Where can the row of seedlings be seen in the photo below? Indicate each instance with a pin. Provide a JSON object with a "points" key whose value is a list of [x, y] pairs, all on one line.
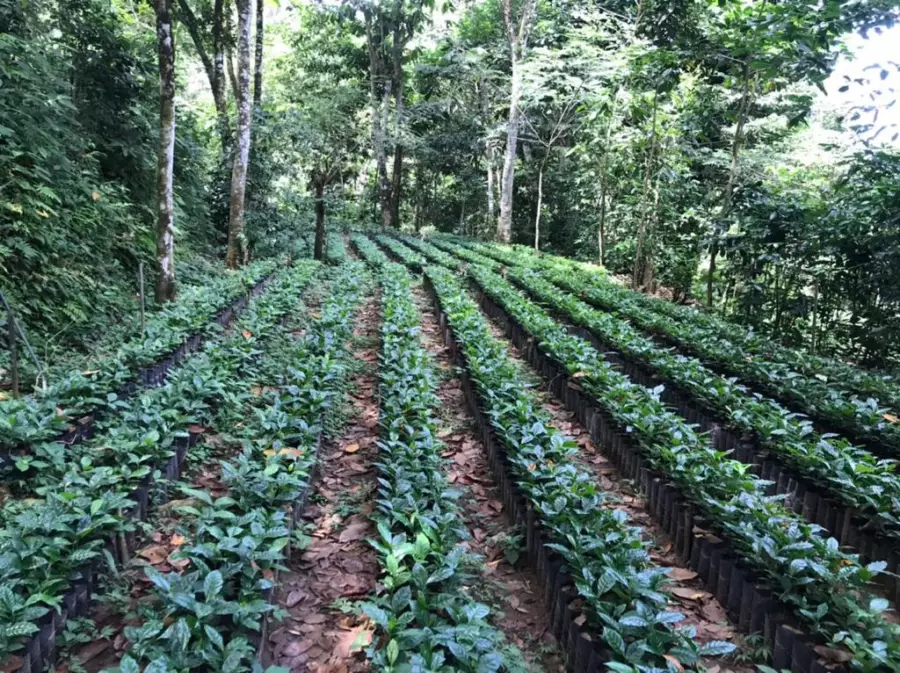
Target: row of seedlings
{"points": [[467, 254], [522, 256], [431, 252], [54, 547], [335, 251], [214, 613], [863, 420], [402, 253], [775, 572], [844, 488], [424, 618], [66, 411], [861, 491], [370, 252], [49, 463], [605, 594], [838, 375]]}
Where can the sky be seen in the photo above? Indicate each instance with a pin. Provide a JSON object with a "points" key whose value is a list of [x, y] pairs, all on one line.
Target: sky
{"points": [[883, 49]]}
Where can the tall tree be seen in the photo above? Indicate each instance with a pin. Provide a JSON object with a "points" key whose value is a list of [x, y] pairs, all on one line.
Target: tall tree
{"points": [[214, 66], [517, 34], [389, 27], [165, 165], [380, 86], [258, 56], [237, 253]]}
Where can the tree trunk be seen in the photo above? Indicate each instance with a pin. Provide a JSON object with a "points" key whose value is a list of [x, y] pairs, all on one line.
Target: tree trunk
{"points": [[640, 256], [814, 345], [601, 229], [218, 83], [397, 173], [258, 64], [165, 197], [380, 95], [537, 217], [237, 242], [517, 33], [728, 197], [381, 155], [491, 209], [214, 67], [396, 178], [319, 246], [504, 228]]}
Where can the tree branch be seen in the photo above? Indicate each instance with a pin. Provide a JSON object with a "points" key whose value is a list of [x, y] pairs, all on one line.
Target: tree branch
{"points": [[193, 26]]}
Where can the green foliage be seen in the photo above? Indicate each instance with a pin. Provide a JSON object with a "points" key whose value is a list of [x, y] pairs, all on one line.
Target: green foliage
{"points": [[821, 582], [79, 104], [621, 588], [425, 617]]}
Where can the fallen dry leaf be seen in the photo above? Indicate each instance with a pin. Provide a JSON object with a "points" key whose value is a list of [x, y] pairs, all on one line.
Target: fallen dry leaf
{"points": [[12, 663], [714, 612], [91, 650], [689, 594], [353, 532], [352, 641], [831, 654], [675, 663], [681, 574], [293, 598], [178, 563], [155, 554], [351, 448]]}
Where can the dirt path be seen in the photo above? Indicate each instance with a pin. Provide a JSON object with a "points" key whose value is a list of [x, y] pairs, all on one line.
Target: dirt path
{"points": [[338, 566], [700, 608], [510, 589]]}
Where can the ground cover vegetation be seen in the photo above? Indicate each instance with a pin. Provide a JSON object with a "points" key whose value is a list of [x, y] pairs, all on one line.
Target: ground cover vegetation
{"points": [[210, 208]]}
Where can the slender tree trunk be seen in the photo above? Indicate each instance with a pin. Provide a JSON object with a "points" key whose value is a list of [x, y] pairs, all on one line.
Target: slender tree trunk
{"points": [[397, 173], [219, 82], [214, 67], [601, 229], [237, 242], [491, 208], [604, 166], [640, 256], [380, 95], [517, 33], [504, 229], [396, 179], [165, 213], [420, 197], [319, 246], [814, 345], [649, 280], [381, 156], [537, 217], [258, 56], [728, 197]]}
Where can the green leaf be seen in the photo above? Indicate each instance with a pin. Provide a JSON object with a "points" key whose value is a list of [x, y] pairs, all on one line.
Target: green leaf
{"points": [[393, 651], [212, 584]]}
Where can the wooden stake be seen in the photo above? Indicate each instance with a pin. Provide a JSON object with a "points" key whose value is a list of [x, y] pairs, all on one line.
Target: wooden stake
{"points": [[13, 350], [141, 284]]}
